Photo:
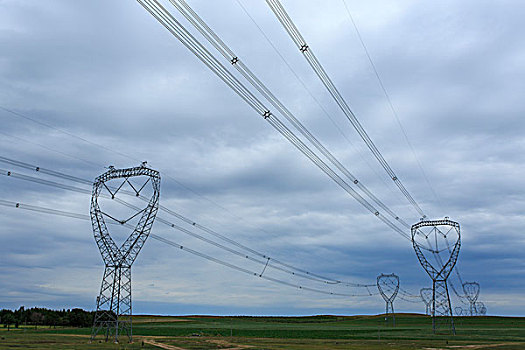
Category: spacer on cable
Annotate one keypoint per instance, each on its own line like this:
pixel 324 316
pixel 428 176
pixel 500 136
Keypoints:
pixel 17 205
pixel 356 181
pixel 8 173
pixel 394 178
pixel 267 114
pixel 37 168
pixel 234 60
pixel 304 48
pixel 376 213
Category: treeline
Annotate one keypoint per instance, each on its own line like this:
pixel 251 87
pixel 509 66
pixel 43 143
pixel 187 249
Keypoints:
pixel 46 317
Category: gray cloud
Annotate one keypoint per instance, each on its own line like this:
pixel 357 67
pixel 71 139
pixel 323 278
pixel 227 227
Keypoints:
pixel 108 73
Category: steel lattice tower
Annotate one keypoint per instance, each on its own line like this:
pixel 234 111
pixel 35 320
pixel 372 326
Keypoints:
pixel 480 308
pixel 114 310
pixel 471 290
pixel 426 296
pixel 388 286
pixel 426 236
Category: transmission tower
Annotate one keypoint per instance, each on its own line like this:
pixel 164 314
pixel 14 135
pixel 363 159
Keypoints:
pixel 480 308
pixel 471 290
pixel 113 314
pixel 430 240
pixel 426 296
pixel 388 286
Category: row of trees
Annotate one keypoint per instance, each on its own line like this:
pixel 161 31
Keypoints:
pixel 41 316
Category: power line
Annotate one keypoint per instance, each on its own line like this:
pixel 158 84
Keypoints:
pixel 28 118
pixel 389 101
pixel 44 210
pixel 405 295
pixel 176 29
pixel 269 261
pixel 312 95
pixel 255 103
pixel 298 39
pixel 183 7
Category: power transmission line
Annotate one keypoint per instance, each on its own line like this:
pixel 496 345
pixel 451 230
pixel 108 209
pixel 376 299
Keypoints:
pixel 391 105
pixel 405 295
pixel 44 210
pixel 183 7
pixel 188 40
pixel 312 95
pixel 269 261
pixel 298 39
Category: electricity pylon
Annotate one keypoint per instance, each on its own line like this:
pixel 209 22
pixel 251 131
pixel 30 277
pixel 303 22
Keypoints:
pixel 471 290
pixel 480 308
pixel 426 296
pixel 433 238
pixel 114 310
pixel 388 286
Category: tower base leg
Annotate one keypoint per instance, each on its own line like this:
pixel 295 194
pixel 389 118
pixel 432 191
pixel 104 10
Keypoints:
pixel 442 318
pixel 113 315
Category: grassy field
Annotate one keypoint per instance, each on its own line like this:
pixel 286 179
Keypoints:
pixel 316 332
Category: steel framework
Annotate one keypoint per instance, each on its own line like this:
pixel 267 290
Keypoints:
pixel 433 237
pixel 114 310
pixel 480 308
pixel 388 286
pixel 426 296
pixel 471 290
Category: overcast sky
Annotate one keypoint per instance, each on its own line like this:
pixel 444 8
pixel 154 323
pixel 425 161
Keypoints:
pixel 87 84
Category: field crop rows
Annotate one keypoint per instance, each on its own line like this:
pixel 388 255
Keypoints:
pixel 317 332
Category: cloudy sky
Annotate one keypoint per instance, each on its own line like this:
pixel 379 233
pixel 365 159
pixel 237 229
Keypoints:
pixel 87 84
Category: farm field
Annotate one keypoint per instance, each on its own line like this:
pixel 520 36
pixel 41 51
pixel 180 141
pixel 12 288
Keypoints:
pixel 315 332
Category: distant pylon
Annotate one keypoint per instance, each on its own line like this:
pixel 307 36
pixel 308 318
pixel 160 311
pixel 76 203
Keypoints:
pixel 114 310
pixel 426 296
pixel 388 286
pixel 433 238
pixel 480 308
pixel 471 290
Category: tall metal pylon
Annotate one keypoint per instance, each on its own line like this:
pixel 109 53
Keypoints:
pixel 114 309
pixel 471 290
pixel 433 238
pixel 388 286
pixel 426 296
pixel 480 308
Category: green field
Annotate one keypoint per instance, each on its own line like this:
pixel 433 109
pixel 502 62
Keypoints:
pixel 316 332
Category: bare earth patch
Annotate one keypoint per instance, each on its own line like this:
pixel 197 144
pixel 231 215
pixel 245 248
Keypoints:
pixel 161 345
pixel 228 345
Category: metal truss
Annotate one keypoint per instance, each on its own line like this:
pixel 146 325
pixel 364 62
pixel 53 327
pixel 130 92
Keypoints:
pixel 426 296
pixel 388 286
pixel 459 311
pixel 114 310
pixel 480 309
pixel 433 238
pixel 471 290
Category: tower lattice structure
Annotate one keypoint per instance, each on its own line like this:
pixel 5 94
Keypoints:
pixel 114 308
pixel 426 296
pixel 471 290
pixel 430 240
pixel 388 286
